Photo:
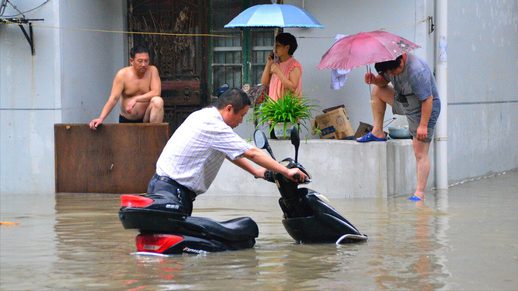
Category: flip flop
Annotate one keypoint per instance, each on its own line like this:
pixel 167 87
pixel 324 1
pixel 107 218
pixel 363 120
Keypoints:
pixel 415 198
pixel 370 137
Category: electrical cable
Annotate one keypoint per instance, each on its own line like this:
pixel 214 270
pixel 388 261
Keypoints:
pixel 4 3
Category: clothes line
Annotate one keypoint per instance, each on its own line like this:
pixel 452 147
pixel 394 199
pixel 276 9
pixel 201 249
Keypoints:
pixel 121 31
pixel 5 21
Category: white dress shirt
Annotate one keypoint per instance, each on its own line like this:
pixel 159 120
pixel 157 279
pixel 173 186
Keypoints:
pixel 197 149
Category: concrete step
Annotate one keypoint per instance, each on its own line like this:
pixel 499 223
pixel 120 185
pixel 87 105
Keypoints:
pixel 339 168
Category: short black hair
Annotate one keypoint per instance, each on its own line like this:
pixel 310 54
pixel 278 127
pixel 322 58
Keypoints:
pixel 383 67
pixel 286 38
pixel 138 50
pixel 235 97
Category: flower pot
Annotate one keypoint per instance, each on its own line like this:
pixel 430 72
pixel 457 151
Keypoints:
pixel 278 129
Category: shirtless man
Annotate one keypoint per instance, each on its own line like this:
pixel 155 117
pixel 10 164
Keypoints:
pixel 139 85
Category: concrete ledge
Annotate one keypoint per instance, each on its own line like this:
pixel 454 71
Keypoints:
pixel 339 168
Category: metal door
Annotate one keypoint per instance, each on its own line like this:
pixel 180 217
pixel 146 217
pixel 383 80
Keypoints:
pixel 181 60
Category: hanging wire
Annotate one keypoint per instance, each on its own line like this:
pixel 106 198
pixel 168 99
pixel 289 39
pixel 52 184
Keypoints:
pixel 12 22
pixel 5 2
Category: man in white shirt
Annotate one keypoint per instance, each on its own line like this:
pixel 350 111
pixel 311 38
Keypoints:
pixel 193 156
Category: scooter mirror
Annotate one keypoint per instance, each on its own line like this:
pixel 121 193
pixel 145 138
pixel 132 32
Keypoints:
pixel 260 139
pixel 294 136
pixel 295 141
pixel 261 142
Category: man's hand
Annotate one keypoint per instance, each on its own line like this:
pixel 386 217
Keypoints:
pixel 377 80
pixel 422 132
pixel 296 175
pixel 95 123
pixel 131 104
pixel 369 78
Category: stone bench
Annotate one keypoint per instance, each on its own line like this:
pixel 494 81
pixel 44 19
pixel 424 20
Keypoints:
pixel 339 168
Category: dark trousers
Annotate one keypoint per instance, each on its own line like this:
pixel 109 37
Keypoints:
pixel 172 190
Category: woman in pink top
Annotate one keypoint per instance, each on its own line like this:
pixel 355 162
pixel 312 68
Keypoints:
pixel 282 71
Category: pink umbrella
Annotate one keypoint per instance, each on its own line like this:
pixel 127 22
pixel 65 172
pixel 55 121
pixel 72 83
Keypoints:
pixel 365 48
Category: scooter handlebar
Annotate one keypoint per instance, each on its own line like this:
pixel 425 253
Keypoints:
pixel 306 181
pixel 269 176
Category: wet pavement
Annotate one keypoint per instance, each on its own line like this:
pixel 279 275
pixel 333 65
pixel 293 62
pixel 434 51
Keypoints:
pixel 462 239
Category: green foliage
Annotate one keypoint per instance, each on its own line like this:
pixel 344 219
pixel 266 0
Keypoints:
pixel 289 108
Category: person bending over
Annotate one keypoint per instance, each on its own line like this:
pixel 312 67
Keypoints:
pixel 139 86
pixel 194 154
pixel 408 86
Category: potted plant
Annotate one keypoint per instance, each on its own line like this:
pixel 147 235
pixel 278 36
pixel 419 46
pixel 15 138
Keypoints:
pixel 280 115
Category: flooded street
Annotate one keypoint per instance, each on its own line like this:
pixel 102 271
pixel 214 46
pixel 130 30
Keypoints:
pixel 466 238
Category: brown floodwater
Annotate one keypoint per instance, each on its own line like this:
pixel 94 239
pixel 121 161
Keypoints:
pixel 465 238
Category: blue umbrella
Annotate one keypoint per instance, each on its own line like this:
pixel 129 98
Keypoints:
pixel 274 15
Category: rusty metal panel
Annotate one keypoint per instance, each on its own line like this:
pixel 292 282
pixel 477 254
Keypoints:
pixel 115 158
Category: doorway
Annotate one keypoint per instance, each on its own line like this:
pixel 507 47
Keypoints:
pixel 181 60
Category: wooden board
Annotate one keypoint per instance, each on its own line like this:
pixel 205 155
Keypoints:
pixel 115 158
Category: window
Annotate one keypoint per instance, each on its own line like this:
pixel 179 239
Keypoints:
pixel 240 56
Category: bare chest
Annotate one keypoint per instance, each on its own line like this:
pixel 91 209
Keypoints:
pixel 136 86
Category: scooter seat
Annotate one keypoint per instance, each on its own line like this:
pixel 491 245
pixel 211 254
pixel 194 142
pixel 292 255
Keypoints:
pixel 237 229
pixel 155 221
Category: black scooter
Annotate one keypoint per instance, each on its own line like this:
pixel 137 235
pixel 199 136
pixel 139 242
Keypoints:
pixel 307 218
pixel 165 232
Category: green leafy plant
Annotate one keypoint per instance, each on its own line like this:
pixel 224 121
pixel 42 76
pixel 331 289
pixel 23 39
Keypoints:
pixel 288 109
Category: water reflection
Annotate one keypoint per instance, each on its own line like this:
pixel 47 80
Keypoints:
pixel 75 241
pixel 27 248
pixel 408 252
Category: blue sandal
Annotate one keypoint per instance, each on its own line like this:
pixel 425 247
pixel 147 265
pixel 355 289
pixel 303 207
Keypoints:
pixel 414 198
pixel 370 137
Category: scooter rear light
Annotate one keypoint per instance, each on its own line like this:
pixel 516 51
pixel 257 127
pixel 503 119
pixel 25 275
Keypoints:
pixel 157 243
pixel 135 201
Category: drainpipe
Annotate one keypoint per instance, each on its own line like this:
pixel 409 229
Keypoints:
pixel 441 75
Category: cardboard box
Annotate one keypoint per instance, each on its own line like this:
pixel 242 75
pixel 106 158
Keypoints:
pixel 334 123
pixel 363 129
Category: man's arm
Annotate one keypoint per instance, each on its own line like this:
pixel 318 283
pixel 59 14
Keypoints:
pixel 244 164
pixel 426 111
pixel 117 87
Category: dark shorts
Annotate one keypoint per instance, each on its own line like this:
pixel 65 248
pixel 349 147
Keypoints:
pixel 123 119
pixel 399 107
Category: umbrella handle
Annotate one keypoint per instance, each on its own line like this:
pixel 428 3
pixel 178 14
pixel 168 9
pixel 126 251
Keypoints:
pixel 370 89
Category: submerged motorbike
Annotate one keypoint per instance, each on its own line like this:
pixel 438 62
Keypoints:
pixel 166 232
pixel 308 218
